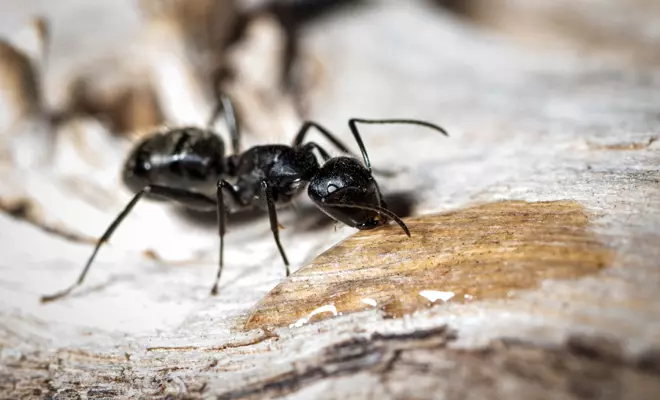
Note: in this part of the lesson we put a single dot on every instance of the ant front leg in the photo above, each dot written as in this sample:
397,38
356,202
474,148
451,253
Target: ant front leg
190,199
310,146
223,186
307,125
274,225
302,132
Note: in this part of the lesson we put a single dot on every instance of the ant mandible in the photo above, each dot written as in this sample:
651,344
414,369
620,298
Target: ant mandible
179,164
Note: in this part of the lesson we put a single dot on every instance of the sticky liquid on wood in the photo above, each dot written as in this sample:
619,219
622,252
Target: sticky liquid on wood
483,252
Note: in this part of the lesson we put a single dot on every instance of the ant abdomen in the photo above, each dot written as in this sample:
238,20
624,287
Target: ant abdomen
186,158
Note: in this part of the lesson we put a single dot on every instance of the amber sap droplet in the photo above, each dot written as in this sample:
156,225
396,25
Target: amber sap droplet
484,252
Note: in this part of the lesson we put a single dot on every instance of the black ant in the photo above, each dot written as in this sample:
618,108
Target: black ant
180,164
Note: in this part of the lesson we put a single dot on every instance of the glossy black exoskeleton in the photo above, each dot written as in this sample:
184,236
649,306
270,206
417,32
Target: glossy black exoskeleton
184,164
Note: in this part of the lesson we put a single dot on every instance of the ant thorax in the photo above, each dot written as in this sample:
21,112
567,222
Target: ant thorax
286,169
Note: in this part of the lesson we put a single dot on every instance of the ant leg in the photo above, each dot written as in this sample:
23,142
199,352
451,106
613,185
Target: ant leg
310,146
106,235
190,199
222,222
300,137
307,125
225,105
274,226
352,125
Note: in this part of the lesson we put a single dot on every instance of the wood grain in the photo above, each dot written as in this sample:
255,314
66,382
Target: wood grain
552,142
482,252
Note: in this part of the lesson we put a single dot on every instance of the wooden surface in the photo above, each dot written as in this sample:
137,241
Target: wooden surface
492,251
552,153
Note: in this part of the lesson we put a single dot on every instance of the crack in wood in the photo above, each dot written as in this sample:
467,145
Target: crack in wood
268,334
378,352
583,367
624,146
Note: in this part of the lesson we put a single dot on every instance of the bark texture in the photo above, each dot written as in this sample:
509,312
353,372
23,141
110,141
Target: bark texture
566,127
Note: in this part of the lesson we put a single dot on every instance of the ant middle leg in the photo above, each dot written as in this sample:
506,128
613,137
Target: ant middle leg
187,198
223,186
274,225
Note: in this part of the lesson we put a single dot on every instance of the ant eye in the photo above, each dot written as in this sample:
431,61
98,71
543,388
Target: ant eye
332,188
142,167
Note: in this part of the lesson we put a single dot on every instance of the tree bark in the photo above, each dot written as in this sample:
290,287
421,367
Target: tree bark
541,210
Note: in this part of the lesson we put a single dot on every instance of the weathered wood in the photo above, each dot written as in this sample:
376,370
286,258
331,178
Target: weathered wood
492,251
527,125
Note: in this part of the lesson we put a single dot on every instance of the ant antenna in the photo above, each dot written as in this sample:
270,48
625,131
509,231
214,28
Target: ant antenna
352,124
380,210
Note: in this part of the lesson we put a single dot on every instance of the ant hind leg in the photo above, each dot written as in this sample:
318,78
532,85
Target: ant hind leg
190,199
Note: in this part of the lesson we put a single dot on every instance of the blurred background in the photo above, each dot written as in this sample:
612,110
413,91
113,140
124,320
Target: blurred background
136,64
113,71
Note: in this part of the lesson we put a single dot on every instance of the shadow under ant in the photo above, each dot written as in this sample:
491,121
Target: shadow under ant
209,219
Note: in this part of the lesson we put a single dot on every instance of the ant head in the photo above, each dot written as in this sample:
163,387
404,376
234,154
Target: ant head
346,191
138,166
